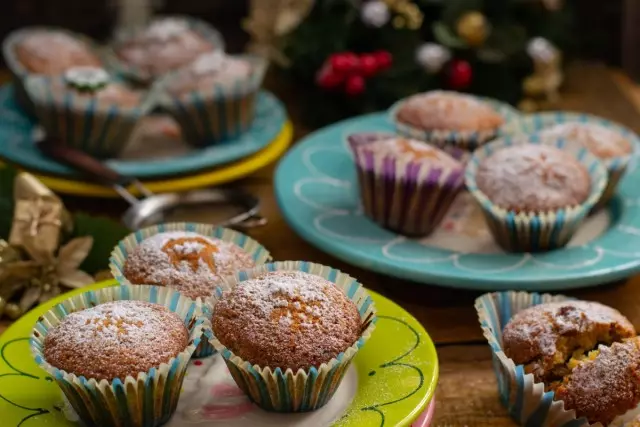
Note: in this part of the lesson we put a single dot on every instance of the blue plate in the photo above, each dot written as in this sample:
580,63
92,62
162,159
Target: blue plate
317,190
17,146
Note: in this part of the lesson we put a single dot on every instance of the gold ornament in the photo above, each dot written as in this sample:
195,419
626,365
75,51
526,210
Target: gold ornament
473,28
547,73
408,14
528,105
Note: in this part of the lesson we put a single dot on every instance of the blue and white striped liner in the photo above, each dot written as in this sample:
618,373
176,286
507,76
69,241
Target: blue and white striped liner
205,30
527,402
275,390
149,399
101,130
616,166
120,253
456,143
18,71
535,231
223,112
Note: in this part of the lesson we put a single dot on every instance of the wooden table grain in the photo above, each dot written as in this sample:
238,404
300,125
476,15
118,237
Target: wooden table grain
467,392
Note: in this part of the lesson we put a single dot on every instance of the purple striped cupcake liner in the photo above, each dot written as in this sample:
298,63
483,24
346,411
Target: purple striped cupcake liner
18,71
409,198
223,112
101,130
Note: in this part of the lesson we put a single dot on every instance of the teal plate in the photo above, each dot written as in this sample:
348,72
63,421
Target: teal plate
17,136
317,191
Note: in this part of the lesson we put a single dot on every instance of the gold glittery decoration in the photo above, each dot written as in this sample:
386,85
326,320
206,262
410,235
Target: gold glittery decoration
408,14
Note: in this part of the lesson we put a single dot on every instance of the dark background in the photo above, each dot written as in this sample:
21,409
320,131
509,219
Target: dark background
606,30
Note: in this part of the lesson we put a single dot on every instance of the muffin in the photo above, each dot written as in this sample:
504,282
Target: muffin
115,340
213,98
191,258
609,145
534,194
290,326
189,262
533,178
131,342
546,338
167,44
406,185
87,109
605,383
453,121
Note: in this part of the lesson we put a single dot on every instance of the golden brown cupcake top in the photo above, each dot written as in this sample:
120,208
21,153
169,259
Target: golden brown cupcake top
606,384
410,150
544,337
208,71
115,340
286,319
601,141
533,178
52,52
165,45
189,262
441,110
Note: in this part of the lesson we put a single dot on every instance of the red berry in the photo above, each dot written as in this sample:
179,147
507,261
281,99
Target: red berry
384,59
368,65
329,79
460,74
355,85
344,63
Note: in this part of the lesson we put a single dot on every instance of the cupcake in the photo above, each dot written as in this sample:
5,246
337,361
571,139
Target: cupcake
406,185
213,98
124,344
45,51
562,362
87,109
290,327
166,44
453,121
534,195
607,144
191,258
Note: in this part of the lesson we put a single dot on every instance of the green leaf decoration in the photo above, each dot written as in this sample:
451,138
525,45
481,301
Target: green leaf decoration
106,234
446,37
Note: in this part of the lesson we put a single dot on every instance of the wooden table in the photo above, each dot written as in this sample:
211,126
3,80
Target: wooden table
467,394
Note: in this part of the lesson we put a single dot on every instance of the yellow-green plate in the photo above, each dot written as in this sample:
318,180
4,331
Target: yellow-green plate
390,384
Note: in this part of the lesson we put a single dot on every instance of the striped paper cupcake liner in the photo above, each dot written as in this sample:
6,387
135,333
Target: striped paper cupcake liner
535,231
223,112
457,143
410,198
616,166
119,255
141,76
18,71
100,130
148,400
305,390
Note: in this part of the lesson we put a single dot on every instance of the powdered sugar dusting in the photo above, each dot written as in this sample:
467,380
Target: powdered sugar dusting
287,319
166,28
53,52
449,110
533,178
411,150
116,339
599,140
187,261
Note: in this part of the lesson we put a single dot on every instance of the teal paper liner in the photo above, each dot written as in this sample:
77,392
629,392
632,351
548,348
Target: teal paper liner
457,143
101,130
527,402
535,231
148,400
616,166
18,72
221,113
119,255
129,71
278,391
